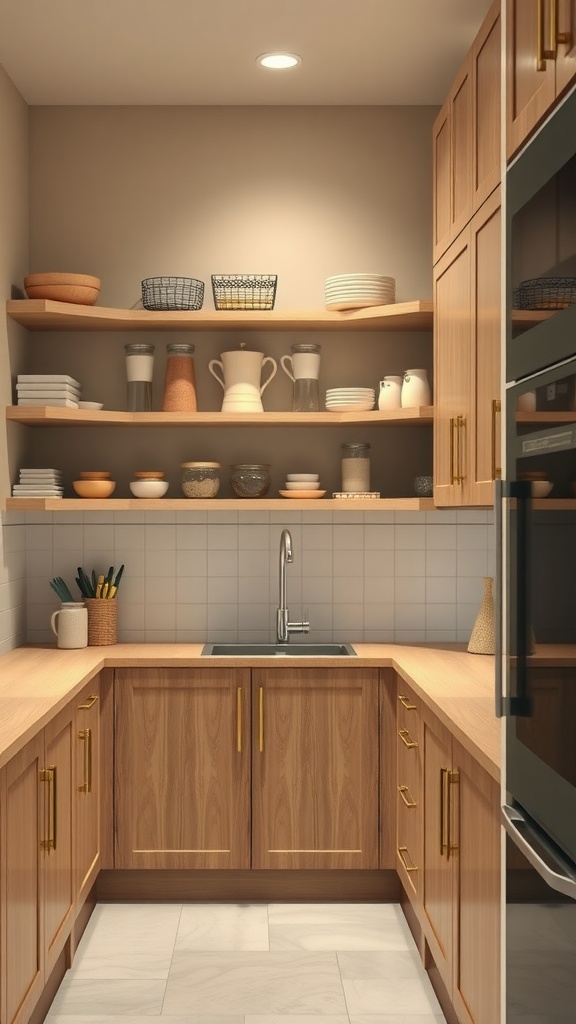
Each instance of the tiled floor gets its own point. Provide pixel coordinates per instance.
(247, 964)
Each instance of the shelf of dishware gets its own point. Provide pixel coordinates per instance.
(52, 416)
(217, 504)
(49, 315)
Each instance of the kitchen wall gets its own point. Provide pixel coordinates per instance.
(13, 264)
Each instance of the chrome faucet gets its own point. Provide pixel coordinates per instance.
(284, 628)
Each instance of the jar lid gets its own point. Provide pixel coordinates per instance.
(139, 349)
(180, 349)
(355, 446)
(200, 465)
(306, 346)
(255, 465)
(149, 474)
(95, 475)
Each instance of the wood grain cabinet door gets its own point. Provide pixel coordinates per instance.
(438, 882)
(530, 85)
(87, 789)
(566, 57)
(315, 768)
(58, 855)
(24, 821)
(452, 162)
(486, 93)
(182, 796)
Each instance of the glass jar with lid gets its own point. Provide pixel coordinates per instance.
(180, 379)
(250, 481)
(355, 467)
(200, 479)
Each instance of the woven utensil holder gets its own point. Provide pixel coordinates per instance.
(102, 621)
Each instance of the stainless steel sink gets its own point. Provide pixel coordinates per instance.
(279, 650)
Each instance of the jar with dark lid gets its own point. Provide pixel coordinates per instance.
(250, 481)
(180, 379)
(200, 479)
(355, 467)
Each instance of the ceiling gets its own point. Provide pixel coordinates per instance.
(203, 51)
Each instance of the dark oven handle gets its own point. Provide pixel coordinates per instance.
(539, 853)
(518, 646)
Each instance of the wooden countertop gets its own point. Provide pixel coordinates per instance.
(36, 682)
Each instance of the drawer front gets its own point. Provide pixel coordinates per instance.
(408, 790)
(408, 840)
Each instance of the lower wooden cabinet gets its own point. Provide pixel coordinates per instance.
(182, 768)
(409, 808)
(461, 878)
(315, 768)
(87, 790)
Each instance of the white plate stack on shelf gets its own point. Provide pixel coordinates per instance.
(356, 291)
(350, 399)
(48, 389)
(39, 483)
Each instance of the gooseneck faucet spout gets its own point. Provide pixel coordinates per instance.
(284, 628)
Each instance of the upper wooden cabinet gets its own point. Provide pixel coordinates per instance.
(540, 63)
(315, 768)
(466, 138)
(467, 344)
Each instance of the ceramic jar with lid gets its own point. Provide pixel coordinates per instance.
(415, 389)
(149, 483)
(200, 479)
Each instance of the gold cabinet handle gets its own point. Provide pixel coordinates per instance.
(406, 703)
(452, 470)
(406, 738)
(261, 718)
(543, 53)
(86, 736)
(404, 857)
(49, 775)
(407, 796)
(90, 701)
(453, 779)
(460, 448)
(496, 411)
(563, 37)
(444, 791)
(239, 720)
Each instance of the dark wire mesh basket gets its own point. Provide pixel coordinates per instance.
(545, 293)
(244, 291)
(172, 293)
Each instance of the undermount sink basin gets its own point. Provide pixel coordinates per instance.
(279, 650)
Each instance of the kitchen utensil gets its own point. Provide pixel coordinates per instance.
(242, 370)
(80, 288)
(102, 622)
(415, 389)
(60, 588)
(70, 625)
(389, 394)
(148, 488)
(172, 293)
(244, 291)
(94, 488)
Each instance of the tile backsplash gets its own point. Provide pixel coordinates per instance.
(195, 576)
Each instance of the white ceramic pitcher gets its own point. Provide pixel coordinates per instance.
(415, 389)
(70, 625)
(389, 394)
(241, 374)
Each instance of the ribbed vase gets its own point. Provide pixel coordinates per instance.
(482, 636)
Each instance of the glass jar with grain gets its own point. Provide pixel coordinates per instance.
(180, 379)
(355, 468)
(200, 479)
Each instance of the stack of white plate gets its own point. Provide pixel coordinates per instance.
(39, 483)
(350, 399)
(355, 291)
(48, 389)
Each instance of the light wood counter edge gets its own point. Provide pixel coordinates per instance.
(438, 676)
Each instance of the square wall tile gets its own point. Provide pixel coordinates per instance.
(409, 616)
(408, 589)
(440, 563)
(379, 563)
(348, 563)
(222, 537)
(409, 538)
(348, 538)
(348, 591)
(160, 537)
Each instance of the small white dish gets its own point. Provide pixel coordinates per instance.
(149, 488)
(304, 477)
(95, 406)
(302, 485)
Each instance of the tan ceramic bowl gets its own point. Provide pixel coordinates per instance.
(95, 475)
(94, 488)
(80, 288)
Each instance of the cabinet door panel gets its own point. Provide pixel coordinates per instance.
(87, 787)
(182, 784)
(530, 92)
(566, 59)
(442, 183)
(24, 976)
(486, 62)
(57, 862)
(438, 896)
(462, 149)
(315, 769)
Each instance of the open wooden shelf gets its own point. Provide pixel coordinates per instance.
(48, 315)
(546, 417)
(218, 504)
(53, 416)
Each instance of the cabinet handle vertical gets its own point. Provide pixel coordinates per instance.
(544, 54)
(461, 448)
(496, 410)
(261, 718)
(239, 720)
(443, 804)
(452, 472)
(453, 778)
(49, 775)
(540, 53)
(89, 702)
(86, 736)
(565, 38)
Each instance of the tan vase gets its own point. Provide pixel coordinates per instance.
(482, 635)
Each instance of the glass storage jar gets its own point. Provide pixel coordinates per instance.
(355, 468)
(180, 379)
(139, 374)
(200, 479)
(250, 481)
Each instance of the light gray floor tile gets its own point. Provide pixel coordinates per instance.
(392, 964)
(333, 913)
(293, 1018)
(189, 1018)
(122, 966)
(223, 927)
(399, 1018)
(119, 998)
(116, 928)
(338, 927)
(266, 983)
(391, 995)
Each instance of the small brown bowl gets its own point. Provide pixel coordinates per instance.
(94, 488)
(94, 475)
(79, 288)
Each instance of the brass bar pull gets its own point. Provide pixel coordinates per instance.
(90, 701)
(496, 411)
(543, 53)
(239, 720)
(403, 790)
(261, 719)
(406, 703)
(86, 736)
(563, 37)
(443, 804)
(453, 779)
(406, 738)
(452, 472)
(460, 448)
(402, 852)
(49, 775)
(540, 55)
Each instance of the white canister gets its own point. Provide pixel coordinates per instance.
(70, 625)
(415, 389)
(389, 394)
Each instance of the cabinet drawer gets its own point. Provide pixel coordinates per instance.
(409, 839)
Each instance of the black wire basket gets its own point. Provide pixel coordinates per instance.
(244, 291)
(172, 293)
(545, 293)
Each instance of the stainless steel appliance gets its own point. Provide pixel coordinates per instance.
(536, 526)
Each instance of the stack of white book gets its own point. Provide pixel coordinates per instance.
(48, 389)
(39, 483)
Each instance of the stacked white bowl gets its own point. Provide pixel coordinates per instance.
(355, 291)
(350, 399)
(302, 485)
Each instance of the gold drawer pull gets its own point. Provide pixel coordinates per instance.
(407, 796)
(406, 703)
(239, 720)
(406, 738)
(261, 718)
(90, 701)
(407, 862)
(86, 736)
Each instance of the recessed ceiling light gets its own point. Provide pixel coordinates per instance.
(279, 60)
